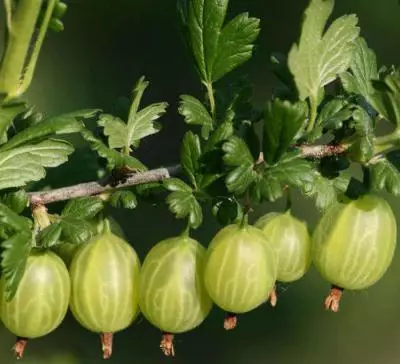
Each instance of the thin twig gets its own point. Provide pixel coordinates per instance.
(155, 175)
(101, 186)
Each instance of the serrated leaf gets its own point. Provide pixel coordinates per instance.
(386, 97)
(334, 113)
(7, 114)
(143, 124)
(16, 201)
(115, 129)
(195, 113)
(362, 149)
(190, 156)
(83, 207)
(50, 236)
(203, 20)
(216, 50)
(114, 159)
(75, 230)
(282, 122)
(123, 199)
(61, 124)
(175, 184)
(235, 45)
(291, 170)
(321, 55)
(223, 132)
(15, 249)
(385, 176)
(15, 254)
(27, 163)
(363, 69)
(237, 152)
(239, 180)
(325, 191)
(184, 204)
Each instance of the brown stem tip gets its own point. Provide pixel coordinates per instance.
(19, 347)
(230, 321)
(167, 344)
(107, 344)
(333, 300)
(273, 297)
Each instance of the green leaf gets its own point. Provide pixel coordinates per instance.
(334, 113)
(15, 249)
(362, 148)
(237, 152)
(75, 230)
(386, 97)
(115, 129)
(235, 45)
(363, 69)
(17, 201)
(7, 115)
(203, 20)
(195, 113)
(62, 124)
(216, 50)
(83, 207)
(282, 122)
(15, 254)
(25, 164)
(50, 236)
(143, 124)
(190, 156)
(223, 132)
(175, 184)
(123, 199)
(114, 158)
(184, 204)
(325, 191)
(385, 175)
(321, 55)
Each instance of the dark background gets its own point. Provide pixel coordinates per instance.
(106, 47)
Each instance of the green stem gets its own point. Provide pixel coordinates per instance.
(211, 98)
(186, 230)
(313, 115)
(28, 76)
(20, 32)
(386, 142)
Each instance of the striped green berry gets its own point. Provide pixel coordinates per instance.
(172, 294)
(241, 268)
(290, 238)
(354, 243)
(41, 301)
(105, 281)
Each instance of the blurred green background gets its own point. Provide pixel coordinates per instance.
(106, 47)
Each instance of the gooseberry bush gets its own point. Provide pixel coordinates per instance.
(317, 134)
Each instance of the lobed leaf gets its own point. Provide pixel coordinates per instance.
(17, 201)
(50, 236)
(320, 56)
(195, 113)
(190, 156)
(7, 115)
(363, 69)
(115, 129)
(386, 97)
(27, 163)
(75, 230)
(123, 199)
(83, 207)
(235, 45)
(216, 50)
(385, 174)
(282, 122)
(237, 152)
(61, 124)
